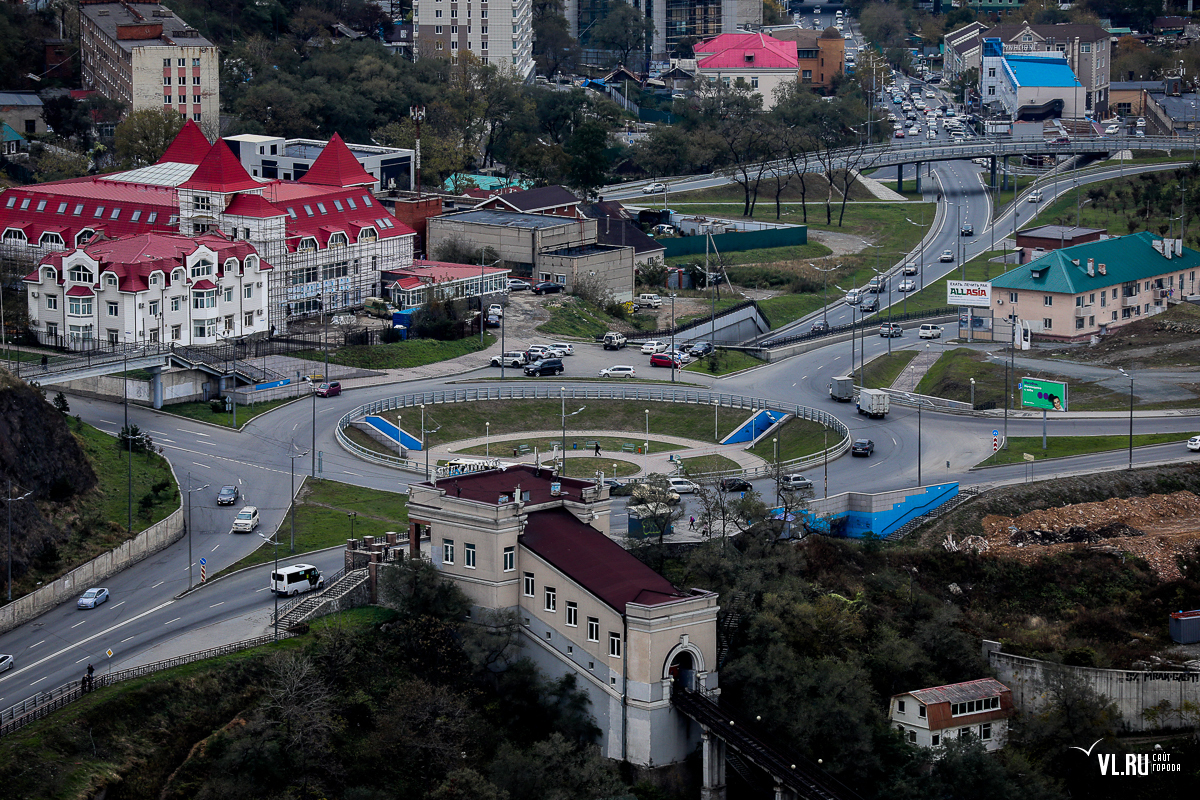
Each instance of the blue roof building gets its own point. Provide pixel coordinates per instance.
(11, 142)
(1030, 86)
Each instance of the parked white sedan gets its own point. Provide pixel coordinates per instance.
(618, 371)
(654, 346)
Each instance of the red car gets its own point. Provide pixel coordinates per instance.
(331, 389)
(664, 360)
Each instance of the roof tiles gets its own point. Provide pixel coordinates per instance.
(189, 147)
(337, 166)
(220, 171)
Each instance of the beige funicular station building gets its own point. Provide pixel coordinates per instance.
(521, 538)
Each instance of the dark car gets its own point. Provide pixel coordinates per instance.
(664, 360)
(227, 496)
(820, 326)
(735, 485)
(967, 230)
(331, 389)
(546, 366)
(700, 349)
(869, 305)
(862, 447)
(547, 287)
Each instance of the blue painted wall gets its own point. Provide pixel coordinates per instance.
(881, 523)
(753, 427)
(390, 430)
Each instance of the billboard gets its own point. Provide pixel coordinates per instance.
(969, 293)
(1046, 395)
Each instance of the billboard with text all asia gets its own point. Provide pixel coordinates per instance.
(969, 293)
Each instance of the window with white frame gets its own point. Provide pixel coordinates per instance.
(114, 309)
(80, 274)
(248, 319)
(202, 268)
(614, 644)
(447, 551)
(1047, 323)
(550, 595)
(593, 629)
(528, 584)
(572, 614)
(510, 559)
(176, 303)
(176, 332)
(52, 302)
(248, 292)
(1047, 299)
(204, 299)
(79, 306)
(228, 294)
(204, 328)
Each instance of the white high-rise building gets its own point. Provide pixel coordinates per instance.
(499, 32)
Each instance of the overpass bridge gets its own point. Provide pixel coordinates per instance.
(897, 154)
(93, 358)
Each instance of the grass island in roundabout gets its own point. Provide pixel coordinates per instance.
(627, 431)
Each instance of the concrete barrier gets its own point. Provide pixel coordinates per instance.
(1133, 691)
(66, 587)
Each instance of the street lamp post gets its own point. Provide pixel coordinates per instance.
(274, 543)
(8, 501)
(853, 327)
(562, 394)
(672, 337)
(972, 394)
(487, 440)
(825, 285)
(189, 524)
(775, 445)
(1128, 375)
(646, 447)
(292, 497)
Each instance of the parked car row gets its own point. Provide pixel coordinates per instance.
(533, 353)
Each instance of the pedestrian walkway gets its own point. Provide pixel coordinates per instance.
(911, 375)
(646, 463)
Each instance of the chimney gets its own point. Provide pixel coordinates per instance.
(1103, 269)
(1091, 267)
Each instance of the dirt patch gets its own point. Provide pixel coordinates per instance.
(840, 243)
(1160, 528)
(1164, 340)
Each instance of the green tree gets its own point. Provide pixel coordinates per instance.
(144, 135)
(590, 157)
(623, 30)
(553, 47)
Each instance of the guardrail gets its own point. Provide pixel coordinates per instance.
(875, 321)
(650, 395)
(43, 704)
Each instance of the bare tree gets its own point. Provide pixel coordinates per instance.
(298, 703)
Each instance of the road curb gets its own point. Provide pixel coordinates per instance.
(978, 468)
(220, 578)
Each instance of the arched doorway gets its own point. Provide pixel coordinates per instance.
(682, 670)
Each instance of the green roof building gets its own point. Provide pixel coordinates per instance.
(1085, 290)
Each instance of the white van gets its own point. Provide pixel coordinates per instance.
(298, 578)
(930, 332)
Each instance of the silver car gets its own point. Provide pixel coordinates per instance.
(92, 598)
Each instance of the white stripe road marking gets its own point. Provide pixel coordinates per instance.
(214, 605)
(77, 624)
(165, 439)
(168, 622)
(123, 641)
(198, 464)
(198, 433)
(39, 680)
(120, 604)
(160, 583)
(108, 421)
(85, 658)
(348, 472)
(263, 589)
(214, 548)
(43, 641)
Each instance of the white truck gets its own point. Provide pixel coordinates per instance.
(614, 340)
(648, 301)
(842, 388)
(875, 403)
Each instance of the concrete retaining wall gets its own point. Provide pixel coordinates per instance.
(179, 386)
(881, 513)
(1132, 690)
(787, 351)
(95, 572)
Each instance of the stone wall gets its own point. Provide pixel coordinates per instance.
(1132, 690)
(93, 573)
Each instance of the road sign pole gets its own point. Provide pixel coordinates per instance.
(203, 568)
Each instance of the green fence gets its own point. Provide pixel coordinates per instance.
(741, 240)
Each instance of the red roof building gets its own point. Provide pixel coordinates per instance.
(412, 287)
(328, 238)
(516, 537)
(159, 287)
(554, 200)
(760, 61)
(979, 708)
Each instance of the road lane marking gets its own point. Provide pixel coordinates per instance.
(214, 548)
(123, 641)
(198, 464)
(160, 583)
(108, 421)
(214, 605)
(198, 433)
(39, 680)
(43, 641)
(85, 658)
(168, 622)
(256, 591)
(165, 439)
(120, 604)
(77, 624)
(348, 472)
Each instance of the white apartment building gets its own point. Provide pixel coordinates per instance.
(499, 33)
(144, 55)
(157, 287)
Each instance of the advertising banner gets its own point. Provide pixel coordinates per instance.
(1046, 395)
(969, 293)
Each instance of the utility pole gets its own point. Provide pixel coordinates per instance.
(417, 115)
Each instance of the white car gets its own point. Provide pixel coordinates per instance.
(92, 598)
(495, 310)
(1194, 443)
(914, 131)
(1035, 196)
(946, 256)
(931, 134)
(618, 371)
(563, 347)
(683, 485)
(654, 346)
(930, 93)
(1112, 130)
(654, 188)
(908, 286)
(6, 662)
(1141, 122)
(853, 296)
(930, 332)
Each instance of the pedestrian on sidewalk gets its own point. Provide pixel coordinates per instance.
(692, 523)
(597, 449)
(45, 362)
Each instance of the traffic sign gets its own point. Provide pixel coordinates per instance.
(108, 653)
(1028, 457)
(995, 443)
(203, 561)
(995, 433)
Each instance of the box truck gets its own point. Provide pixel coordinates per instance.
(875, 403)
(842, 388)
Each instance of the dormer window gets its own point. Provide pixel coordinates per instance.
(80, 274)
(367, 235)
(338, 240)
(308, 243)
(202, 268)
(251, 262)
(231, 266)
(51, 240)
(84, 236)
(201, 203)
(749, 58)
(177, 276)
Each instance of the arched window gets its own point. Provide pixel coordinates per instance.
(14, 236)
(251, 262)
(80, 274)
(203, 268)
(338, 240)
(84, 236)
(367, 234)
(51, 240)
(308, 243)
(231, 266)
(49, 274)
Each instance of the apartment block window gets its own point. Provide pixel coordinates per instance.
(469, 556)
(1079, 324)
(614, 644)
(1085, 48)
(806, 76)
(228, 294)
(1047, 299)
(166, 80)
(176, 303)
(992, 90)
(551, 599)
(248, 292)
(195, 98)
(528, 584)
(166, 99)
(985, 731)
(1047, 323)
(593, 629)
(899, 706)
(183, 62)
(195, 80)
(228, 323)
(454, 29)
(437, 29)
(991, 72)
(572, 615)
(176, 331)
(754, 83)
(195, 62)
(447, 551)
(248, 319)
(510, 559)
(167, 63)
(113, 309)
(52, 301)
(1012, 297)
(182, 99)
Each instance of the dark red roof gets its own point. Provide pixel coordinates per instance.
(80, 291)
(189, 147)
(337, 166)
(594, 561)
(253, 205)
(489, 486)
(220, 171)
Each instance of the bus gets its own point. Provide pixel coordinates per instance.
(291, 581)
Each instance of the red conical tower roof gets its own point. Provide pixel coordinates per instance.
(337, 166)
(220, 171)
(189, 147)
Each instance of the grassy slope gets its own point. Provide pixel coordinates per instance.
(400, 355)
(797, 437)
(204, 413)
(882, 372)
(1061, 446)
